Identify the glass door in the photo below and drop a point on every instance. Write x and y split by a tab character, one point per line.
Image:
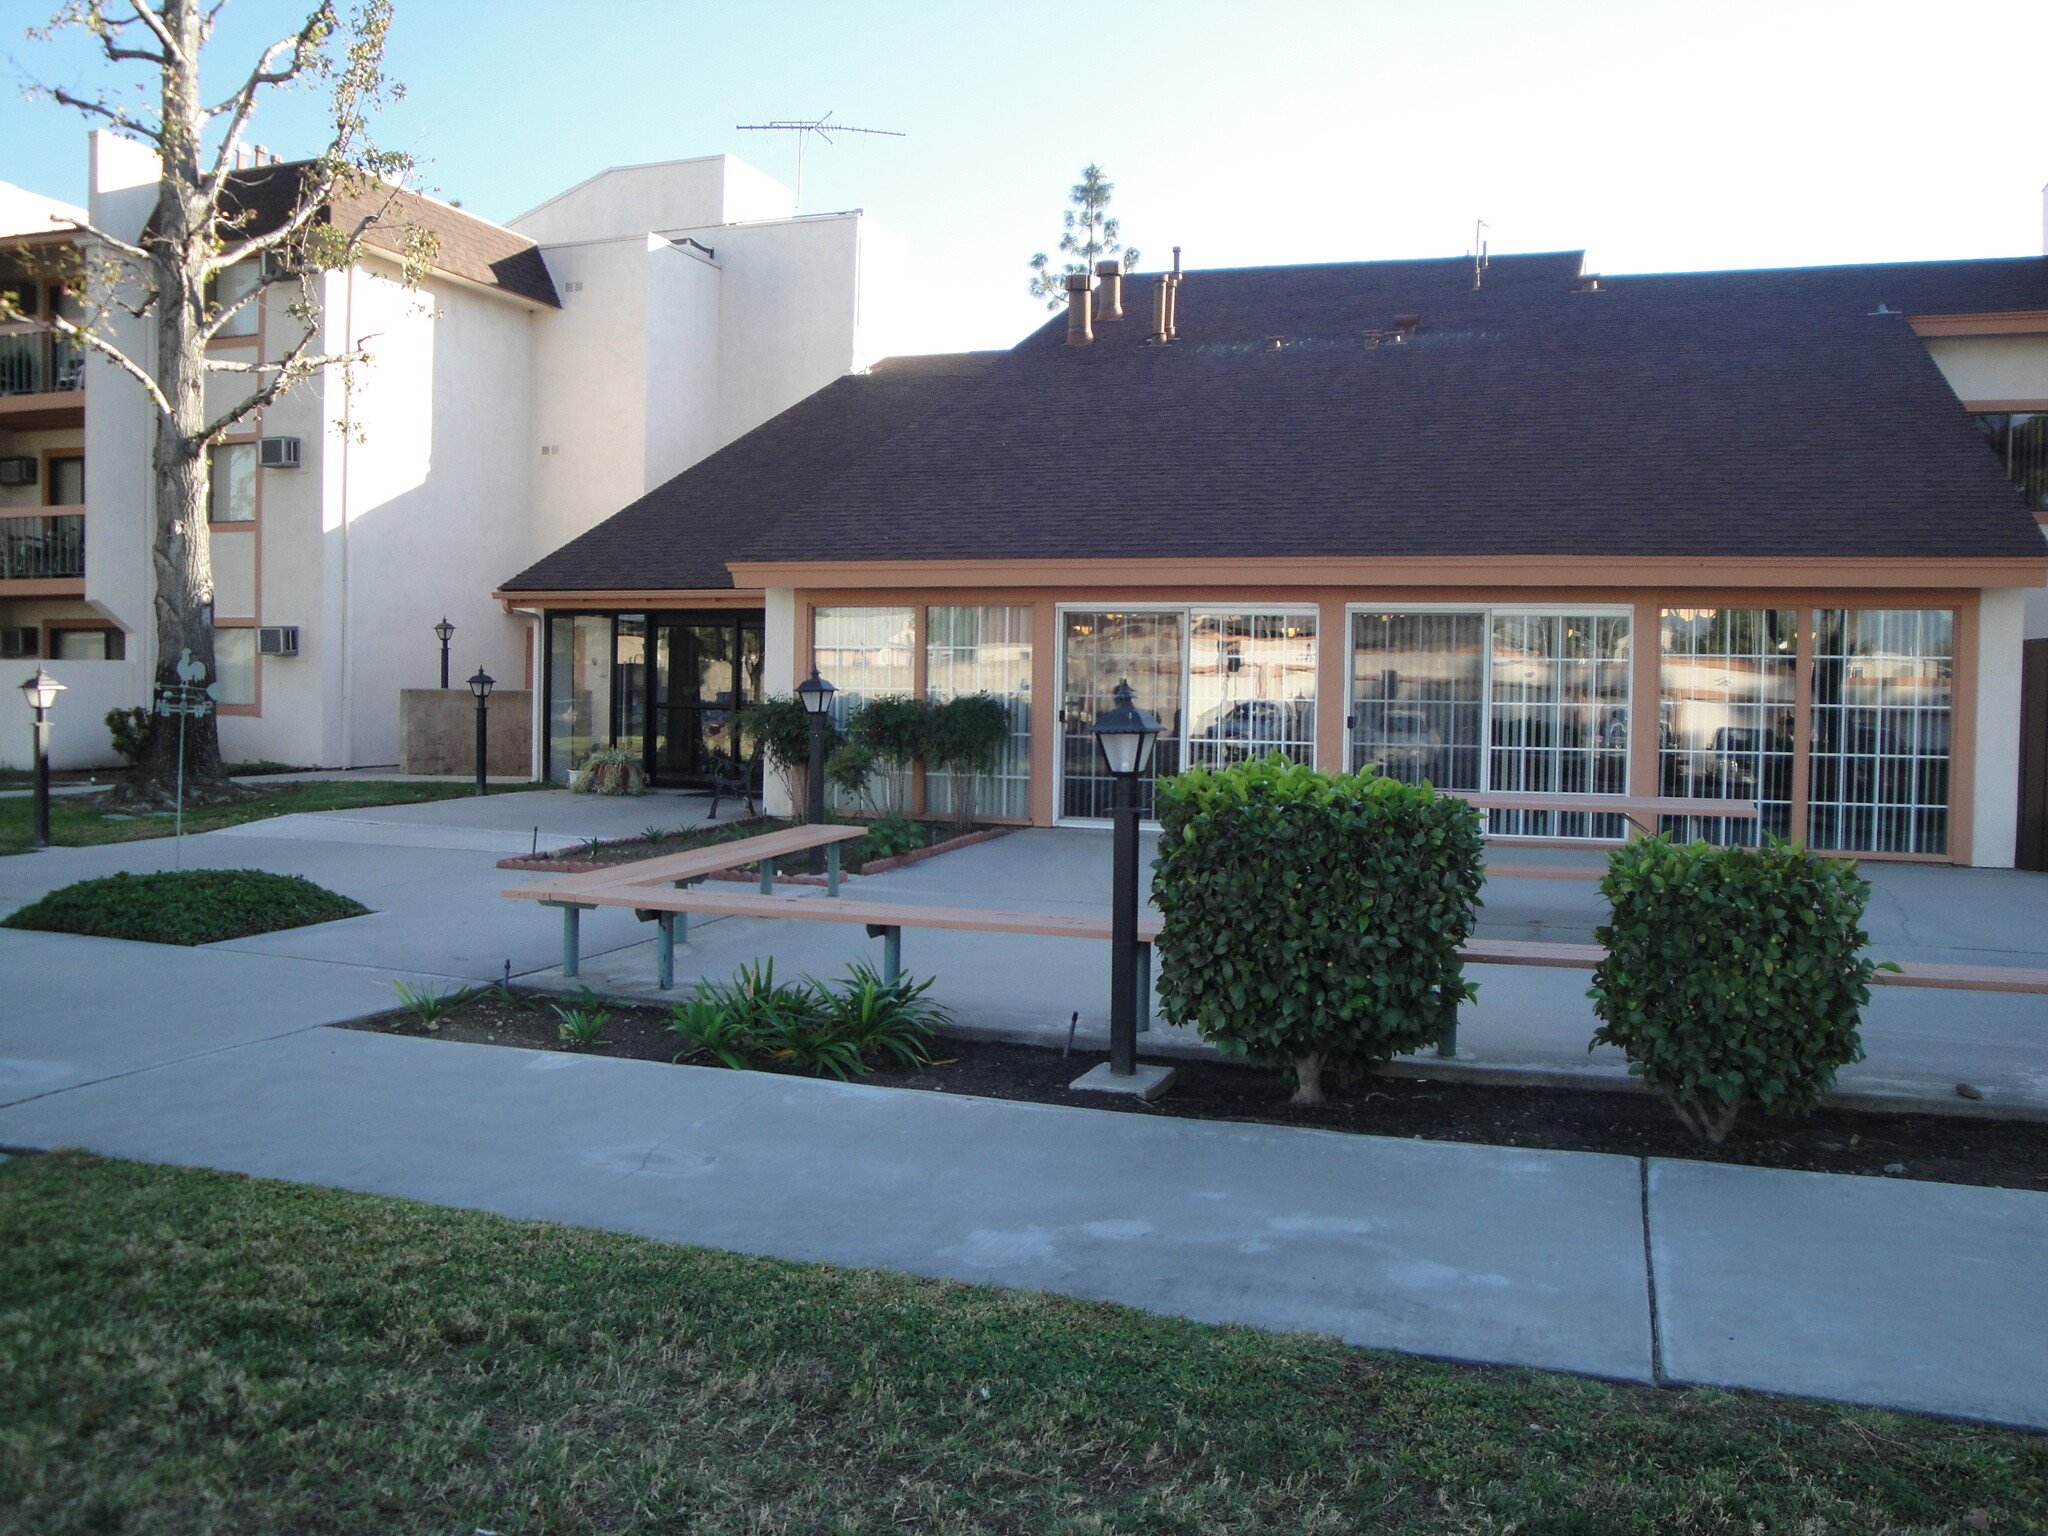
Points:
1098	650
707	669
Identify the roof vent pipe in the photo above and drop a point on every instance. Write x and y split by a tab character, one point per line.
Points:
1080	330
1111	305
1173	299
1158	336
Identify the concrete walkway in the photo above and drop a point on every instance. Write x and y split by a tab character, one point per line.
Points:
1912	1295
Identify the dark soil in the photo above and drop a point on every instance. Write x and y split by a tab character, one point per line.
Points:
684	838
1949	1149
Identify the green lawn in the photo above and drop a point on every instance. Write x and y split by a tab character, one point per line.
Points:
195	1352
78	821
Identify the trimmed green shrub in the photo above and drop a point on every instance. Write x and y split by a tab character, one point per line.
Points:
1733	975
897	729
891	837
191	906
130	731
850	769
1312	920
967	737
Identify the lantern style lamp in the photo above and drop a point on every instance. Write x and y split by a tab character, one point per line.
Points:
480	689
41	692
1125	735
446	632
816	696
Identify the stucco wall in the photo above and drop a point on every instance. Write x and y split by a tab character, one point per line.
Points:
1980	368
1995	793
631	200
437	731
78	731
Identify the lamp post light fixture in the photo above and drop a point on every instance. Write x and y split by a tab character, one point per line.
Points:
41	692
816	696
480	686
446	632
1125	736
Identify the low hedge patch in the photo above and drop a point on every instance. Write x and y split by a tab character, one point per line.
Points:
190	906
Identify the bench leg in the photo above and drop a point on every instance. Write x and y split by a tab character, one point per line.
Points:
572	932
767	877
832	870
665	951
892	948
1447	1039
1144	980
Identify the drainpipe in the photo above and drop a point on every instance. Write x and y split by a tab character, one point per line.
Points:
348	651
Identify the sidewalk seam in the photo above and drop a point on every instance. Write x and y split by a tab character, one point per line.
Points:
1650	1278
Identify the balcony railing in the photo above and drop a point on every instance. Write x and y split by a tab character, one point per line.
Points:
42	548
38	362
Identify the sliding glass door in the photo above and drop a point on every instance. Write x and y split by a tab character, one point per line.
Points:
706	671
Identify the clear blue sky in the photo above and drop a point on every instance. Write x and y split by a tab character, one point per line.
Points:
1655	135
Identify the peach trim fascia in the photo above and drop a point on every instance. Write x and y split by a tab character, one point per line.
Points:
1981	407
43	586
1546	571
2005	322
620	598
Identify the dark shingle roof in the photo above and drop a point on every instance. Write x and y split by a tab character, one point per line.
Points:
679	536
464	245
1769	413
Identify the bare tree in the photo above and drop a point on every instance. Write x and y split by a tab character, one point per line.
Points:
212	214
1090	234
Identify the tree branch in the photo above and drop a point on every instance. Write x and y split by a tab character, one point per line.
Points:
113	115
296	365
114	354
305	50
155	23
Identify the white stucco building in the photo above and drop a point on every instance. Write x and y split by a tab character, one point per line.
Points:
543	373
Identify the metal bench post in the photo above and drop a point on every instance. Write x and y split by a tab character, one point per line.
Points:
1447	1038
1144	979
832	870
767	877
665	950
572	915
892	948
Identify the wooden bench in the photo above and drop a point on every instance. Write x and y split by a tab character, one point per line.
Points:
635	884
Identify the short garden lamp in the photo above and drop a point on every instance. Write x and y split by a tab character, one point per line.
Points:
1125	735
41	692
480	687
816	696
445	632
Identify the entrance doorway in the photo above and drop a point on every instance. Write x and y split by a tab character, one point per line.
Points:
706	671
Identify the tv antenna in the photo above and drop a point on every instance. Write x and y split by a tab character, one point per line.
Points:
803	128
1479	228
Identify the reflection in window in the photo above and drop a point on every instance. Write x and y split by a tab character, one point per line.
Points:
1724	718
234	660
1557	718
1882	686
232	477
2020	439
1417	681
984	650
629	684
1101	648
867	653
88	645
579	689
226	287
1251	687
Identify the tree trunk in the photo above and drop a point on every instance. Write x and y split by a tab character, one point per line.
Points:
1308	1079
181	558
963	802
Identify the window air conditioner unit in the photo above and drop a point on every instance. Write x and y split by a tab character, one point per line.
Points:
17	471
280	453
278	639
24	641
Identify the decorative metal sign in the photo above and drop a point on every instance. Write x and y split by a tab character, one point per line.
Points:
189	698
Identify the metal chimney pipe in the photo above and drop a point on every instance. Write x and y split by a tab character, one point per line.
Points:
1173	298
1158	336
1080	302
1111	305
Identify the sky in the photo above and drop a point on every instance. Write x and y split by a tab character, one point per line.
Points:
1655	136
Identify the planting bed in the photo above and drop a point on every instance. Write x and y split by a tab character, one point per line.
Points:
1949	1149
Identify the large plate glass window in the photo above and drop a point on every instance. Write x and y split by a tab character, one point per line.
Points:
1251	686
868	653
1418	690
232	482
1725	718
1100	648
983	650
1883	684
234	660
2020	439
579	689
707	672
1557	718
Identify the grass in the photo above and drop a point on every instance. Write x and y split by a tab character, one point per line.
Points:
79	821
190	906
188	1351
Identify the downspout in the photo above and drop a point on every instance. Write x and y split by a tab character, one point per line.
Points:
348	652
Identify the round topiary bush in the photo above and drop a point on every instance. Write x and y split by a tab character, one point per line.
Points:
1733	975
1312	920
190	906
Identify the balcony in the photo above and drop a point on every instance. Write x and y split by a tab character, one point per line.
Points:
44	549
42	380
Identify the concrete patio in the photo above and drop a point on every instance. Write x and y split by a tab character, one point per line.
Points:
1914	1295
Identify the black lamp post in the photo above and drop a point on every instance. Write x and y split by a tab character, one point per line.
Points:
480	686
816	696
1125	735
447	632
41	692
